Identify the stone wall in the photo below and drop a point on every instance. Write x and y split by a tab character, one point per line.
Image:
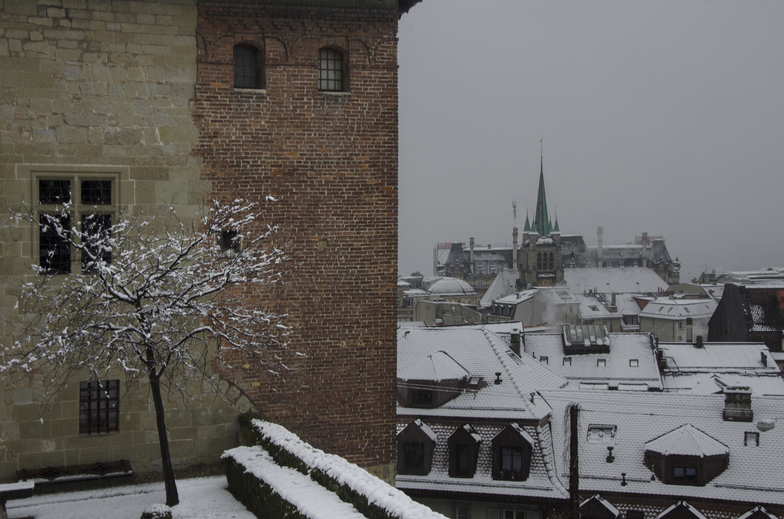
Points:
98	86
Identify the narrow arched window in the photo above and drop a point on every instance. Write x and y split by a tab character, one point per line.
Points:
331	71
550	262
538	261
248	72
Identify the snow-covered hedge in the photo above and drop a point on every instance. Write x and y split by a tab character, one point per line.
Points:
371	496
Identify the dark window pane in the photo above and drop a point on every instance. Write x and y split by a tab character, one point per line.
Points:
99	408
95	228
330	70
97	192
54	248
414	455
54	191
247	73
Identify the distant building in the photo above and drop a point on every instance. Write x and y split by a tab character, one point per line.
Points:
752	312
544	254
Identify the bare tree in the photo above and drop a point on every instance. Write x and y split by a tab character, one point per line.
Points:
163	301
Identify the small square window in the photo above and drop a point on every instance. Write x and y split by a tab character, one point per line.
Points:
601	363
634	363
230	240
567	361
544	359
751	439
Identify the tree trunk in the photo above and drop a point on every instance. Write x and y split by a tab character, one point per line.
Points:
172	497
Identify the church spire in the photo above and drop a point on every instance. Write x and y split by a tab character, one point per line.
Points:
527	227
541	220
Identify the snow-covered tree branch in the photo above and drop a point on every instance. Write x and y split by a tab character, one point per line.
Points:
162	300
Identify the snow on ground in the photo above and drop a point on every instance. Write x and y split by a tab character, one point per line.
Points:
200	498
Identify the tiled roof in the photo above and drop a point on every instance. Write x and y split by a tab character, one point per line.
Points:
752	475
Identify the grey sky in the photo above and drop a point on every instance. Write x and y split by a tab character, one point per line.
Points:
664	117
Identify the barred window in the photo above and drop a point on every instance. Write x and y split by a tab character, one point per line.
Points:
331	70
248	72
99	406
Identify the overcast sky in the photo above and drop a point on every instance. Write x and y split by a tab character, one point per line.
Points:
663	117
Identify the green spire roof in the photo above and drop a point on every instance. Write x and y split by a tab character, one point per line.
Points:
541	221
556	228
527	227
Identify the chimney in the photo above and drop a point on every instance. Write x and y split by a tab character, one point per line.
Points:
514	248
515	341
689	329
471	257
764	359
645	249
600	235
698	342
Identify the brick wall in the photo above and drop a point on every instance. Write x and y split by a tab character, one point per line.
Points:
331	161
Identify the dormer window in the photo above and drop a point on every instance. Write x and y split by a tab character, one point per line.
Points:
415	445
463	448
512	449
686	456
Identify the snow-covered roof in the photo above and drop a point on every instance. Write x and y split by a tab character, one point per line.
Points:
482	354
505	283
719	357
436	367
451	286
631	361
620	280
715	366
687	440
643	417
713	383
518	297
592	308
676	309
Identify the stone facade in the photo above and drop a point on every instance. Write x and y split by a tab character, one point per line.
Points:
142	92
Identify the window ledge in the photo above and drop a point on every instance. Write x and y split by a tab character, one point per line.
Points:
251	90
334	93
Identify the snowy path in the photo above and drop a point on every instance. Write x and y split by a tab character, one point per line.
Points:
200	498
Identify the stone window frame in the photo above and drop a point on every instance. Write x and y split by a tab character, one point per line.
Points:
118	175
